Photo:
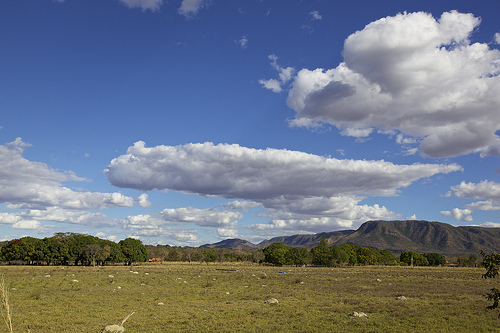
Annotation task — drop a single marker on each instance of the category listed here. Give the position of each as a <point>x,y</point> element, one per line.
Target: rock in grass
<point>358,314</point>
<point>401,298</point>
<point>272,301</point>
<point>114,328</point>
<point>118,328</point>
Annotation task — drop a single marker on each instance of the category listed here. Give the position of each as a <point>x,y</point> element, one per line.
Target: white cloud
<point>285,75</point>
<point>27,184</point>
<point>402,140</point>
<point>175,236</point>
<point>30,225</point>
<point>208,217</point>
<point>323,214</point>
<point>227,233</point>
<point>315,15</point>
<point>459,214</point>
<point>410,151</point>
<point>488,190</point>
<point>241,205</point>
<point>143,201</point>
<point>483,205</point>
<point>272,84</point>
<point>415,75</point>
<point>9,218</point>
<point>243,41</point>
<point>152,5</point>
<point>483,190</point>
<point>293,186</point>
<point>357,132</point>
<point>189,8</point>
<point>142,222</point>
<point>58,215</point>
<point>489,225</point>
<point>232,171</point>
<point>497,38</point>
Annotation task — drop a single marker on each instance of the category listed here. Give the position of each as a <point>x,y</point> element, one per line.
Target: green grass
<point>206,298</point>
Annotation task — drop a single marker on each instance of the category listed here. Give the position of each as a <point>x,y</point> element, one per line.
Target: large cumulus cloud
<point>232,171</point>
<point>292,185</point>
<point>413,74</point>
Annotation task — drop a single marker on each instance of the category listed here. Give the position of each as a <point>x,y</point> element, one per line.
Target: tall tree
<point>492,264</point>
<point>133,250</point>
<point>299,256</point>
<point>321,254</point>
<point>277,254</point>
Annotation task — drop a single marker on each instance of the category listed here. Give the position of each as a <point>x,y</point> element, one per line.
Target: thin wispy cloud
<point>190,8</point>
<point>315,15</point>
<point>284,74</point>
<point>242,42</point>
<point>152,5</point>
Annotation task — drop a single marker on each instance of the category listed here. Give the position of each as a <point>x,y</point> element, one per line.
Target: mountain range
<point>395,236</point>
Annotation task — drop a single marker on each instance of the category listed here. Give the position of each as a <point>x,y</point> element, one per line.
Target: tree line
<point>72,249</point>
<point>80,249</point>
<point>324,255</point>
<point>346,254</point>
<point>280,254</point>
<point>203,254</point>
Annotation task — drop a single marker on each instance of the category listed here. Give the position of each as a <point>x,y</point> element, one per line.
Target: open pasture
<point>182,297</point>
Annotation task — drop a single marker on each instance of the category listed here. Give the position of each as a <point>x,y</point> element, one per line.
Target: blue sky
<point>188,122</point>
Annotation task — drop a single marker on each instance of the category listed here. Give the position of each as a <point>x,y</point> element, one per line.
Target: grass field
<point>182,297</point>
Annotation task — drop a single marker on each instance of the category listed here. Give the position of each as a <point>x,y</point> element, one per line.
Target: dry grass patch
<point>206,298</point>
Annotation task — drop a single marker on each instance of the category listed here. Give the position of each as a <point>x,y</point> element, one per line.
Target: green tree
<point>366,255</point>
<point>435,259</point>
<point>472,259</point>
<point>350,250</point>
<point>321,254</point>
<point>93,253</point>
<point>385,257</point>
<point>298,256</point>
<point>277,254</point>
<point>115,253</point>
<point>463,261</point>
<point>210,256</point>
<point>79,244</point>
<point>133,250</point>
<point>413,258</point>
<point>13,251</point>
<point>58,249</point>
<point>339,255</point>
<point>491,263</point>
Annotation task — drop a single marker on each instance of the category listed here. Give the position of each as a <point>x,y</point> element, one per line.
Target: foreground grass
<point>231,298</point>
